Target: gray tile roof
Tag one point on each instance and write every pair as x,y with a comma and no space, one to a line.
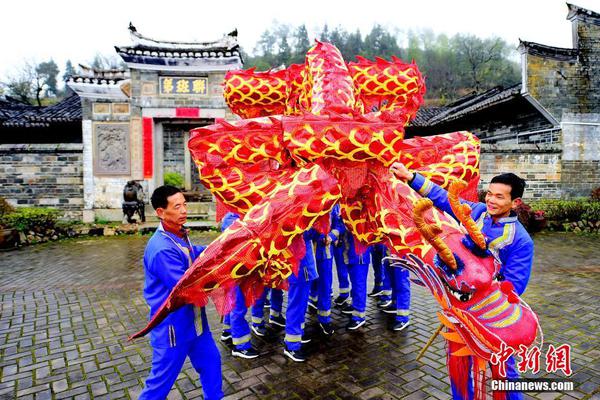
432,116
67,110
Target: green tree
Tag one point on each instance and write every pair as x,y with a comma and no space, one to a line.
380,43
27,84
69,71
354,46
301,45
48,71
338,38
19,87
480,59
324,36
284,55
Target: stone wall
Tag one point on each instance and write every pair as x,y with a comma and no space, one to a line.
46,175
554,83
579,177
567,80
588,44
581,154
539,165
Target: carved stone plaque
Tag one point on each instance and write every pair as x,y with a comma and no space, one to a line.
101,108
111,149
120,108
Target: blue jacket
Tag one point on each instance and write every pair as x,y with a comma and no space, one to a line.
166,259
346,241
307,271
507,239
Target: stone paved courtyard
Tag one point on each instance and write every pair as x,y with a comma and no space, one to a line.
67,309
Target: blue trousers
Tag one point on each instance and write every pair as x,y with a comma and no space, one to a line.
358,278
276,306
342,272
296,313
236,321
320,290
400,283
381,272
167,363
257,312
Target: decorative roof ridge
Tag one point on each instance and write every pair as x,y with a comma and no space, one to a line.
178,53
551,51
228,41
113,73
575,11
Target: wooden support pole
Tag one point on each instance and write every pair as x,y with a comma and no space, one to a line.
437,332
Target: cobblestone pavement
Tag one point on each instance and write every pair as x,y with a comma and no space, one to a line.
67,308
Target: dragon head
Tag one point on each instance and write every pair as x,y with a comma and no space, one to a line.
479,309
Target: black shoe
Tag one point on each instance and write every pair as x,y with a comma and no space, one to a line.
391,309
278,321
375,292
246,353
384,303
305,339
295,355
225,336
354,324
327,329
340,301
347,309
312,305
259,330
398,326
267,304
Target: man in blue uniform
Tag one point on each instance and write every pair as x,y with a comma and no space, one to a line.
338,255
235,322
320,297
298,294
507,239
357,260
381,283
185,332
274,305
382,287
395,293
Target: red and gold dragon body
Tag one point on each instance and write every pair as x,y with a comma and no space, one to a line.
326,132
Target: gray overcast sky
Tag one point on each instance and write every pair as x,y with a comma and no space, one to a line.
77,30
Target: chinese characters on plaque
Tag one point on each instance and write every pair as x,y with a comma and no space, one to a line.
189,86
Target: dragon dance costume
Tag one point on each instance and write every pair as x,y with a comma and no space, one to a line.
325,133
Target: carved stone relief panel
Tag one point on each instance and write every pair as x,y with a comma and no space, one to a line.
111,149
